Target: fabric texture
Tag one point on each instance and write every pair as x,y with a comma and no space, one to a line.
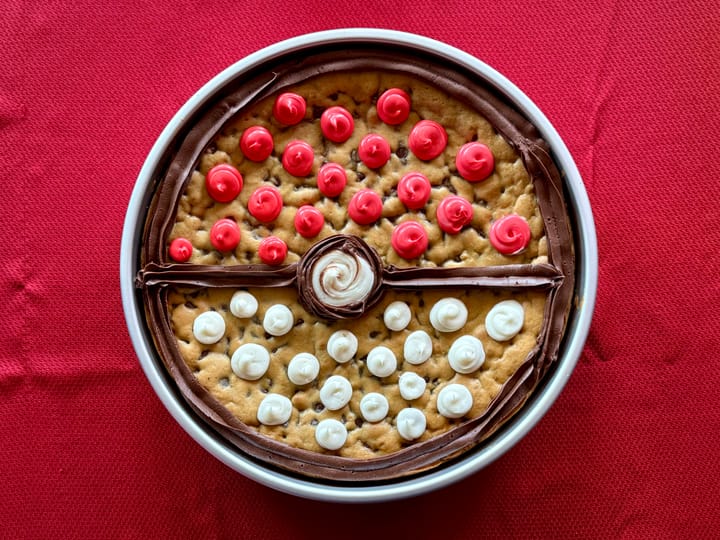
629,450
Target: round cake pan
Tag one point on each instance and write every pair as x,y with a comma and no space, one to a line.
469,463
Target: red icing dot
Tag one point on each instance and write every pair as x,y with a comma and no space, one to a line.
393,106
180,250
309,221
374,150
474,161
414,190
297,159
265,203
454,213
256,143
223,182
289,108
337,124
510,234
409,240
365,207
331,179
427,140
272,250
225,235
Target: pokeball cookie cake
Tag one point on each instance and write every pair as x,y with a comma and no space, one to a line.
357,266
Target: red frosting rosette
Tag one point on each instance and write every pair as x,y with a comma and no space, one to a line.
331,179
265,203
298,157
409,239
374,150
454,213
180,250
256,143
510,234
393,106
475,161
365,207
225,234
414,190
272,250
427,139
223,182
289,108
337,124
309,221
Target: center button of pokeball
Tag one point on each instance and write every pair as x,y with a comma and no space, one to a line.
340,277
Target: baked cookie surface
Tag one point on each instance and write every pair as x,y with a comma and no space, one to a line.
446,342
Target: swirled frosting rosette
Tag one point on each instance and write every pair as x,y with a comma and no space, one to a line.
339,278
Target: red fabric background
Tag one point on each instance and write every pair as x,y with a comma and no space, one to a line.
629,450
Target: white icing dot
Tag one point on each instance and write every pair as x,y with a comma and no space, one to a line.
397,316
374,407
505,320
410,423
274,410
330,434
250,361
243,305
381,361
303,368
342,346
466,354
278,320
448,315
418,347
454,401
209,327
335,392
411,385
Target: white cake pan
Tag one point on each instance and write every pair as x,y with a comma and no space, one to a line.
471,462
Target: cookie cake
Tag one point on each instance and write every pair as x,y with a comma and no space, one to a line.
357,264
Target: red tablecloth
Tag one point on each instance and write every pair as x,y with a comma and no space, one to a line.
630,449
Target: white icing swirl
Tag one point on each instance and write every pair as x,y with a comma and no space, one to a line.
374,407
274,410
411,385
243,305
331,434
410,423
505,320
209,327
418,347
250,361
335,392
339,279
466,354
303,368
278,320
342,346
454,401
448,315
381,361
397,316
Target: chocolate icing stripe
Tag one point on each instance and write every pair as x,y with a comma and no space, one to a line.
557,277
506,277
251,275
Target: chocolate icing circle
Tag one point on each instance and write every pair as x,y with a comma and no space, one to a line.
357,249
158,272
